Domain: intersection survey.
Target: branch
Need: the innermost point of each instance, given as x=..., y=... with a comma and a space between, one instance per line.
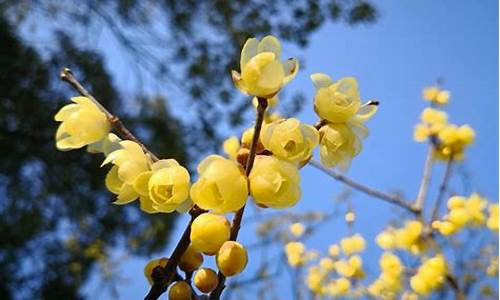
x=393, y=199
x=442, y=189
x=426, y=178
x=235, y=227
x=117, y=125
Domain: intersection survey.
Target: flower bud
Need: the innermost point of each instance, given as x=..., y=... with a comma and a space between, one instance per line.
x=180, y=290
x=205, y=280
x=274, y=183
x=222, y=186
x=191, y=260
x=232, y=258
x=151, y=265
x=338, y=145
x=208, y=233
x=290, y=139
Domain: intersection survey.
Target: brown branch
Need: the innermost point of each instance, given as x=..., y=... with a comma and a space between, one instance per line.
x=394, y=199
x=426, y=178
x=442, y=189
x=117, y=125
x=235, y=227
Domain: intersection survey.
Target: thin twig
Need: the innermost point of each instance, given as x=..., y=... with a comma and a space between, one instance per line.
x=426, y=178
x=442, y=189
x=117, y=125
x=235, y=227
x=394, y=199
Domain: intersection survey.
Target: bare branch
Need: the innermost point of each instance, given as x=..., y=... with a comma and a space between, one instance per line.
x=394, y=199
x=426, y=178
x=442, y=189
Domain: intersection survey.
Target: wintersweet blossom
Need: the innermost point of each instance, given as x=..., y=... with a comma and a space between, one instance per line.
x=208, y=233
x=432, y=121
x=263, y=74
x=82, y=123
x=339, y=144
x=221, y=187
x=339, y=102
x=436, y=95
x=430, y=275
x=274, y=183
x=290, y=139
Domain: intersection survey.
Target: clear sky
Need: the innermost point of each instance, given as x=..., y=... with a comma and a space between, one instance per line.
x=411, y=45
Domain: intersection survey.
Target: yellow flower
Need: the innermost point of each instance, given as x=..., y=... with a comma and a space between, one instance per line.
x=389, y=283
x=430, y=276
x=167, y=185
x=339, y=102
x=409, y=237
x=314, y=279
x=151, y=265
x=338, y=287
x=83, y=123
x=232, y=258
x=180, y=290
x=191, y=260
x=340, y=143
x=432, y=121
x=297, y=229
x=327, y=264
x=222, y=186
x=290, y=139
x=350, y=217
x=453, y=141
x=205, y=280
x=436, y=95
x=386, y=239
x=351, y=267
x=353, y=244
x=263, y=74
x=334, y=250
x=130, y=164
x=231, y=147
x=492, y=222
x=445, y=227
x=295, y=253
x=208, y=233
x=274, y=182
x=475, y=206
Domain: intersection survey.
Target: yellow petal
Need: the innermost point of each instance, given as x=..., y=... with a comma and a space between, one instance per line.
x=366, y=112
x=249, y=50
x=321, y=80
x=141, y=183
x=146, y=205
x=164, y=163
x=127, y=194
x=290, y=67
x=66, y=111
x=270, y=44
x=113, y=183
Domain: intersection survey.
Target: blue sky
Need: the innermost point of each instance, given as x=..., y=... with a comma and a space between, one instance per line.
x=412, y=44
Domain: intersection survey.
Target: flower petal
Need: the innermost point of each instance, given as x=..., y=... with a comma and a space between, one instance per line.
x=270, y=44
x=127, y=194
x=321, y=80
x=248, y=51
x=291, y=67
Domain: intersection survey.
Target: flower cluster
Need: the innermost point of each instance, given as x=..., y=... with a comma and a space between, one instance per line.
x=408, y=237
x=430, y=275
x=464, y=212
x=389, y=283
x=338, y=104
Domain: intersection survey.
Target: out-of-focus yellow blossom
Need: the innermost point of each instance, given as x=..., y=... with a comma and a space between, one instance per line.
x=205, y=279
x=327, y=264
x=492, y=222
x=166, y=186
x=272, y=117
x=409, y=296
x=432, y=121
x=353, y=244
x=351, y=267
x=290, y=139
x=130, y=164
x=436, y=95
x=297, y=229
x=350, y=217
x=475, y=206
x=231, y=147
x=492, y=269
x=339, y=287
x=430, y=276
x=389, y=283
x=295, y=253
x=386, y=239
x=151, y=265
x=263, y=74
x=445, y=227
x=334, y=250
x=107, y=145
x=191, y=260
x=83, y=123
x=340, y=143
x=180, y=290
x=315, y=278
x=232, y=258
x=452, y=141
x=339, y=102
x=222, y=186
x=271, y=102
x=274, y=183
x=208, y=233
x=409, y=237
